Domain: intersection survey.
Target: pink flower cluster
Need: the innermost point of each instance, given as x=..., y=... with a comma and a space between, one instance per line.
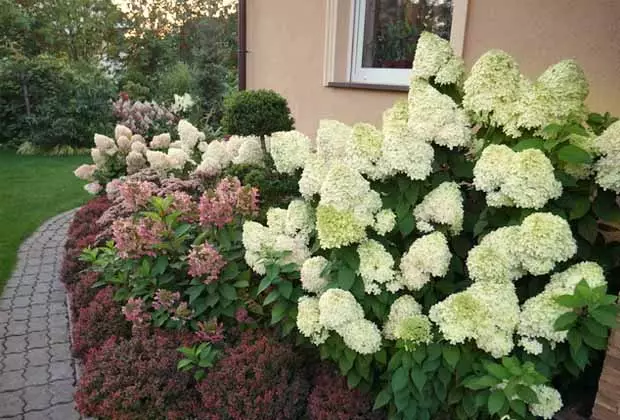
x=135, y=239
x=211, y=332
x=134, y=311
x=140, y=117
x=165, y=299
x=219, y=207
x=136, y=194
x=204, y=260
x=184, y=204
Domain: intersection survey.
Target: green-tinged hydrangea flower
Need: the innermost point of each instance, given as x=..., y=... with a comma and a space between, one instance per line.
x=250, y=153
x=544, y=240
x=523, y=179
x=300, y=219
x=312, y=176
x=539, y=313
x=428, y=256
x=435, y=117
x=289, y=150
x=414, y=331
x=487, y=313
x=308, y=320
x=376, y=266
x=404, y=307
x=365, y=149
x=531, y=346
x=434, y=57
x=608, y=166
x=441, y=206
x=549, y=402
x=276, y=220
x=361, y=336
x=333, y=141
x=338, y=307
x=311, y=278
x=493, y=259
x=403, y=151
x=385, y=221
x=337, y=228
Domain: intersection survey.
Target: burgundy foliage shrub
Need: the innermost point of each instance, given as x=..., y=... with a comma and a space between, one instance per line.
x=259, y=379
x=97, y=322
x=331, y=399
x=138, y=379
x=82, y=292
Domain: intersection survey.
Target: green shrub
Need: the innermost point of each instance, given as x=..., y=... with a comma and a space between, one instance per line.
x=259, y=113
x=49, y=102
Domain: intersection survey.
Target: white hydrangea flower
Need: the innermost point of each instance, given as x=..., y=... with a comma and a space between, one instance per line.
x=311, y=278
x=177, y=158
x=494, y=259
x=434, y=57
x=257, y=240
x=365, y=149
x=549, y=402
x=137, y=138
x=250, y=153
x=161, y=141
x=135, y=162
x=361, y=336
x=385, y=221
x=276, y=220
x=312, y=176
x=376, y=266
x=158, y=160
x=189, y=135
x=435, y=117
x=124, y=144
x=182, y=103
x=85, y=172
x=338, y=307
x=215, y=159
x=105, y=144
x=443, y=206
x=531, y=346
x=93, y=188
x=308, y=320
x=233, y=144
x=295, y=248
x=608, y=143
x=428, y=256
x=122, y=131
x=289, y=150
x=98, y=158
x=543, y=241
x=333, y=140
x=404, y=307
x=607, y=168
x=487, y=313
x=300, y=219
x=139, y=147
x=414, y=330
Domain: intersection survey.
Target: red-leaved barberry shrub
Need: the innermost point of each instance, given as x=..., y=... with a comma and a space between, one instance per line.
x=331, y=399
x=97, y=322
x=82, y=292
x=138, y=379
x=261, y=378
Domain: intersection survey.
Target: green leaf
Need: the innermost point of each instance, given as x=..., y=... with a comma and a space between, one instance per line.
x=399, y=379
x=406, y=224
x=345, y=365
x=195, y=291
x=596, y=342
x=565, y=321
x=518, y=407
x=228, y=291
x=497, y=370
x=160, y=265
x=353, y=379
x=588, y=228
x=527, y=394
x=605, y=206
x=286, y=289
x=570, y=301
x=583, y=291
x=271, y=297
x=573, y=154
x=451, y=355
x=496, y=401
x=278, y=312
x=580, y=207
x=595, y=328
x=382, y=399
x=346, y=278
x=264, y=284
x=574, y=339
x=482, y=382
x=604, y=316
x=419, y=379
x=513, y=365
x=183, y=364
x=532, y=143
x=381, y=356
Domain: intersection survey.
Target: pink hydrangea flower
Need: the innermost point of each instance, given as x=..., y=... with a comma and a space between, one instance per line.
x=136, y=239
x=136, y=194
x=134, y=311
x=182, y=312
x=204, y=260
x=211, y=332
x=218, y=207
x=183, y=203
x=165, y=299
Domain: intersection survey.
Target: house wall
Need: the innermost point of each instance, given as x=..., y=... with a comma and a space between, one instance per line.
x=286, y=44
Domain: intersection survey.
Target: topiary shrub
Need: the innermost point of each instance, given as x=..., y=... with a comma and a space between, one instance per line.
x=97, y=322
x=256, y=112
x=138, y=379
x=331, y=399
x=260, y=378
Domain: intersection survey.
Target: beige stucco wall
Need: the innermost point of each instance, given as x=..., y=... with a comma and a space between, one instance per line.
x=286, y=44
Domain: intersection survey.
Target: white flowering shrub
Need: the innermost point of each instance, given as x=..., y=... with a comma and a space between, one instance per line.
x=450, y=260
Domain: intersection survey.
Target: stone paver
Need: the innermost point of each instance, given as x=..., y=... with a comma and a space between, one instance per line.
x=37, y=372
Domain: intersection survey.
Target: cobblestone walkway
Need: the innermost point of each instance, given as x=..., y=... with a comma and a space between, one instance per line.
x=37, y=373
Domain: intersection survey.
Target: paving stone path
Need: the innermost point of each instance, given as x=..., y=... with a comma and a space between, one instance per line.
x=37, y=373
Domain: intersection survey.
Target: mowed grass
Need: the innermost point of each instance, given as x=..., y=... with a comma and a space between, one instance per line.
x=33, y=189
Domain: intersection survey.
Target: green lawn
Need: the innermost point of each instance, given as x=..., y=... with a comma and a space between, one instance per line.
x=33, y=189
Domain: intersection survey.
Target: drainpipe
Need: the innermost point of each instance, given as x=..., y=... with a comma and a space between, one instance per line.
x=242, y=51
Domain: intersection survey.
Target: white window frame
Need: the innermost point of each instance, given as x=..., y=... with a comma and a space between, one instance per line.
x=396, y=77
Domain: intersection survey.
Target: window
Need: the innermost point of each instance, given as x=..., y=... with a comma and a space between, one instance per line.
x=385, y=34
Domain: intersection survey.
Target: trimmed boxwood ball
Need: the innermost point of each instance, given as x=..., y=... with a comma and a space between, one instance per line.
x=256, y=112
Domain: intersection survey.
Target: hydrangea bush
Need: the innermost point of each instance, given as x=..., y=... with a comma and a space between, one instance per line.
x=451, y=261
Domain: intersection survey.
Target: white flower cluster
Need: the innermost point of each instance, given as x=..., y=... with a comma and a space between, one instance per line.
x=536, y=246
x=385, y=221
x=428, y=256
x=220, y=154
x=289, y=150
x=539, y=313
x=287, y=231
x=312, y=278
x=497, y=94
x=608, y=166
x=338, y=311
x=549, y=402
x=435, y=58
x=403, y=308
x=487, y=313
x=182, y=103
x=522, y=179
x=443, y=206
x=376, y=266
